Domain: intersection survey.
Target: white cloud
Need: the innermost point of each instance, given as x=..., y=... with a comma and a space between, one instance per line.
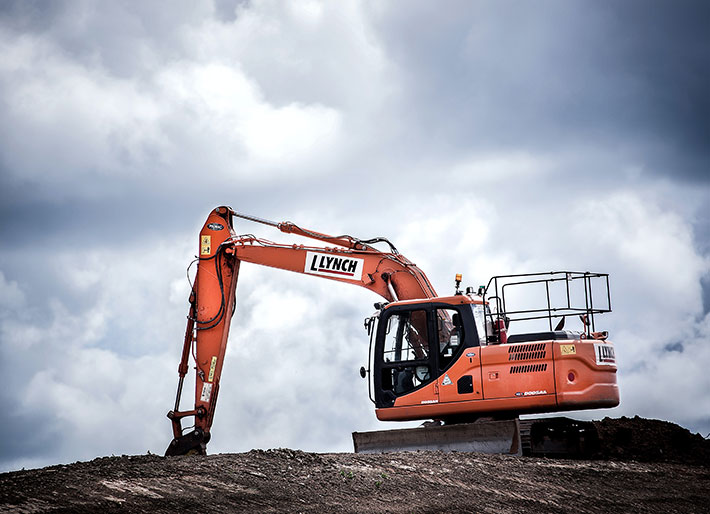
x=501, y=170
x=184, y=115
x=228, y=107
x=656, y=264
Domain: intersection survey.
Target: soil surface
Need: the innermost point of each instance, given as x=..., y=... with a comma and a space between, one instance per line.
x=643, y=466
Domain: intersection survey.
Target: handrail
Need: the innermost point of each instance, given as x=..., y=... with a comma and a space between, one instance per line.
x=498, y=286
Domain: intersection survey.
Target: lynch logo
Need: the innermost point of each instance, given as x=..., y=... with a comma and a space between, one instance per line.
x=334, y=265
x=604, y=353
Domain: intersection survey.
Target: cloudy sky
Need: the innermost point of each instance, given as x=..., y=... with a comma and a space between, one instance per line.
x=481, y=137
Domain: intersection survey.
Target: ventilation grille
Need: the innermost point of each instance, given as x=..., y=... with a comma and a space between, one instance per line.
x=528, y=368
x=524, y=352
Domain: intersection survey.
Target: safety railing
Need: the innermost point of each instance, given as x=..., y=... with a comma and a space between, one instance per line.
x=566, y=293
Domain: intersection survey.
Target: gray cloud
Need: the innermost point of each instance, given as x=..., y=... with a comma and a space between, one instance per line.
x=628, y=77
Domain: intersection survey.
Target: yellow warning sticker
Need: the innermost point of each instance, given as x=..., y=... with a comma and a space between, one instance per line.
x=212, y=366
x=568, y=349
x=206, y=245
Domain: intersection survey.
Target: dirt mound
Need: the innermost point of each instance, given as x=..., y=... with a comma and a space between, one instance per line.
x=650, y=440
x=295, y=481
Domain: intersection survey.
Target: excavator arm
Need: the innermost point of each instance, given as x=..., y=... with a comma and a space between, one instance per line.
x=213, y=298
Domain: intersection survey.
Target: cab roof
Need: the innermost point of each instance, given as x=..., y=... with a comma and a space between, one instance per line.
x=458, y=299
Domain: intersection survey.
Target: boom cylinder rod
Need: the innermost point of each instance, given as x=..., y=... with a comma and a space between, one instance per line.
x=179, y=393
x=187, y=343
x=255, y=219
x=388, y=280
x=289, y=228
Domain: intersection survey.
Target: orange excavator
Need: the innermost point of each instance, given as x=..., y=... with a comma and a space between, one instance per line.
x=446, y=358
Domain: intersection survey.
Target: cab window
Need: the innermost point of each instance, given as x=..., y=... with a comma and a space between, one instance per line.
x=406, y=337
x=450, y=335
x=406, y=352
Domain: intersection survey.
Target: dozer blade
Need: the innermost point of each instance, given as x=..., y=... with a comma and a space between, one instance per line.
x=194, y=443
x=482, y=437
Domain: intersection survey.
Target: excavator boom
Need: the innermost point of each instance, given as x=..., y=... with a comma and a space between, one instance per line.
x=212, y=301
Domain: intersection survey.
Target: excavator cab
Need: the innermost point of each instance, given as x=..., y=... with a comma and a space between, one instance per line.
x=415, y=342
x=459, y=358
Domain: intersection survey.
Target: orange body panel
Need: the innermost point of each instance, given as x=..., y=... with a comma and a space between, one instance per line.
x=516, y=378
x=593, y=386
x=468, y=364
x=511, y=370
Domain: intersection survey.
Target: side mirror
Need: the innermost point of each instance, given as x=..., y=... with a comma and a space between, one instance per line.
x=363, y=371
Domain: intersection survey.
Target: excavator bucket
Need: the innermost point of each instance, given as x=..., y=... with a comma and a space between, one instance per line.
x=193, y=443
x=481, y=437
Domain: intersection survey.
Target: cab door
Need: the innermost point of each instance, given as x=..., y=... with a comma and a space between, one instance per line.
x=458, y=359
x=405, y=365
